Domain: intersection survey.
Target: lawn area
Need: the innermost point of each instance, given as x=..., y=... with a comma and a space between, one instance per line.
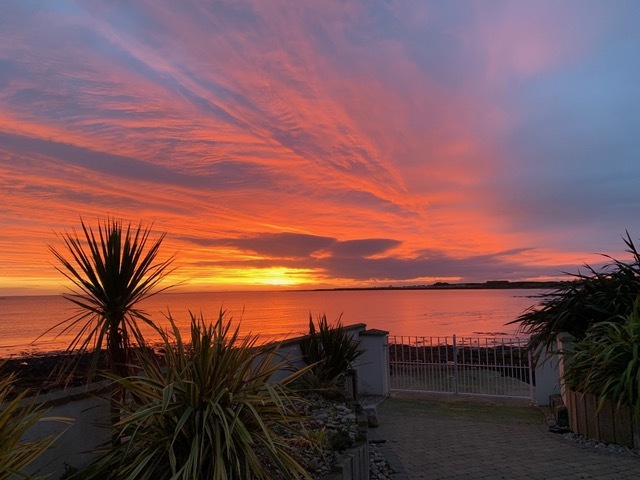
x=479, y=409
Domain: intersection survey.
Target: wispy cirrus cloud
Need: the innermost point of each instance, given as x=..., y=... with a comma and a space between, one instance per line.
x=341, y=139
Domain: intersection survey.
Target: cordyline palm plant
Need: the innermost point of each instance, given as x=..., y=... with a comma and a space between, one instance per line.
x=329, y=351
x=16, y=418
x=206, y=410
x=606, y=361
x=112, y=271
x=597, y=296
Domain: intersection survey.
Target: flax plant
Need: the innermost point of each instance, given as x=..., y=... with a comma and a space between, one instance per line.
x=329, y=351
x=606, y=362
x=111, y=270
x=607, y=295
x=206, y=410
x=16, y=418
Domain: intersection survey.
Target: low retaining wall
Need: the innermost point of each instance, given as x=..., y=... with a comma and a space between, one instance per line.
x=353, y=465
x=90, y=412
x=610, y=424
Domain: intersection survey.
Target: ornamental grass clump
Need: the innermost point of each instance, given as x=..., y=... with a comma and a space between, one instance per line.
x=329, y=350
x=597, y=296
x=606, y=362
x=16, y=419
x=206, y=410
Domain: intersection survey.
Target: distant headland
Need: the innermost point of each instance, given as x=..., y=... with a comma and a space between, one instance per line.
x=488, y=285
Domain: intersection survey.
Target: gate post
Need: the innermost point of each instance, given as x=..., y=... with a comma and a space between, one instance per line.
x=532, y=388
x=372, y=366
x=455, y=365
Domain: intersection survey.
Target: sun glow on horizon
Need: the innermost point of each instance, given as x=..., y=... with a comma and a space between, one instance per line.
x=254, y=277
x=282, y=276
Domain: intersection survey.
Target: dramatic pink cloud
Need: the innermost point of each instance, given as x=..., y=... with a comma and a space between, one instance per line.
x=322, y=143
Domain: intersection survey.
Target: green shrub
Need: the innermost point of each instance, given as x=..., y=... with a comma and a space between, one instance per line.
x=594, y=297
x=329, y=351
x=606, y=362
x=70, y=472
x=340, y=441
x=16, y=418
x=206, y=411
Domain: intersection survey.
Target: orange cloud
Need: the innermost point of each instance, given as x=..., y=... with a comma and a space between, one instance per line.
x=356, y=122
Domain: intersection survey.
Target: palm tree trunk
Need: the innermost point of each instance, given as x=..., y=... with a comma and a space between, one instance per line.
x=119, y=367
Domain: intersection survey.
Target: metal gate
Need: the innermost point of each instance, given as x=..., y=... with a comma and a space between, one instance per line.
x=461, y=365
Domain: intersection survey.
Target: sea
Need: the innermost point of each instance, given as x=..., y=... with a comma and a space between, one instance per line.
x=277, y=315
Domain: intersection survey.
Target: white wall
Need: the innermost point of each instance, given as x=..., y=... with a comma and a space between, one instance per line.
x=89, y=412
x=550, y=369
x=547, y=377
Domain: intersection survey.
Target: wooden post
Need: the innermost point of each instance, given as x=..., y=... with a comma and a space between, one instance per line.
x=606, y=423
x=591, y=416
x=623, y=424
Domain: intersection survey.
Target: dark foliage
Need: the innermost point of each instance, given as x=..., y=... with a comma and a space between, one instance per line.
x=112, y=269
x=597, y=296
x=606, y=362
x=330, y=352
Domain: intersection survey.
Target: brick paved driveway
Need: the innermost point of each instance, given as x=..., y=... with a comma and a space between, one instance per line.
x=463, y=438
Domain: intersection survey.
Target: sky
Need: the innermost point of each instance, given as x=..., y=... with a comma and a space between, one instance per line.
x=288, y=144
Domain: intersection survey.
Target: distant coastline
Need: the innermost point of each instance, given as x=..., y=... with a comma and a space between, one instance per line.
x=488, y=285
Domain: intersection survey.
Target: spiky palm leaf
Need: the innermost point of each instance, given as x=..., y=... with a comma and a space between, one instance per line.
x=16, y=418
x=111, y=271
x=329, y=350
x=593, y=297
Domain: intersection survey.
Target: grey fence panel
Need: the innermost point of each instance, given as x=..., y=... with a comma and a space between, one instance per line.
x=461, y=365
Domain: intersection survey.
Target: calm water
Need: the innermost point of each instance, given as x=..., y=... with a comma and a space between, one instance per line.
x=276, y=315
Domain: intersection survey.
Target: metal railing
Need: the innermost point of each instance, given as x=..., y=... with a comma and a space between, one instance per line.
x=461, y=365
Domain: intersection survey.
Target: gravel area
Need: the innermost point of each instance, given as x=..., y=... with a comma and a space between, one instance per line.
x=599, y=445
x=338, y=421
x=588, y=442
x=330, y=424
x=379, y=467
